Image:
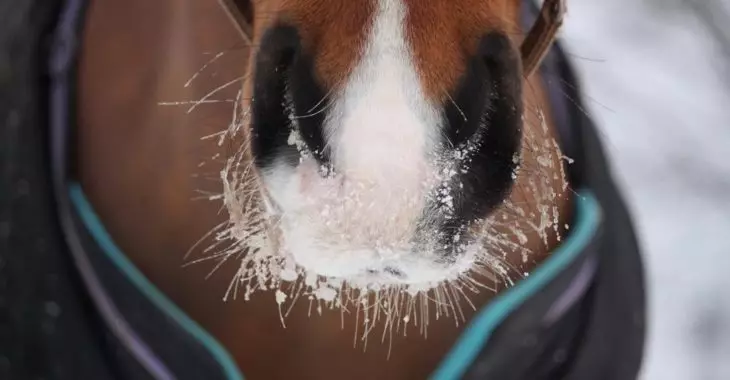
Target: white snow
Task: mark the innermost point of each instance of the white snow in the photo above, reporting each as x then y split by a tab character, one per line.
654	83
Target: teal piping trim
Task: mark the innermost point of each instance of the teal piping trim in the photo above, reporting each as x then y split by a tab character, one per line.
476	335
115	254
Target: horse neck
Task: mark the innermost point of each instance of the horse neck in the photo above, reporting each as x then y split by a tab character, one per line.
140	165
139	161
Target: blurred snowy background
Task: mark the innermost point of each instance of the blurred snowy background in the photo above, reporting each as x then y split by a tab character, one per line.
656	75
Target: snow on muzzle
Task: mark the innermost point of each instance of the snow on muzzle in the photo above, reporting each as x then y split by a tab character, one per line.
366	230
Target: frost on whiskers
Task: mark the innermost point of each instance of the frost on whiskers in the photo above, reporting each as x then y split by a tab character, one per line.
251	238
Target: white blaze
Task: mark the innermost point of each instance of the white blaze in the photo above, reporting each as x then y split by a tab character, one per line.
382	126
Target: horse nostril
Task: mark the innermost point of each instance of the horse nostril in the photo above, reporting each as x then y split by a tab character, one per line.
484	120
491	84
285	93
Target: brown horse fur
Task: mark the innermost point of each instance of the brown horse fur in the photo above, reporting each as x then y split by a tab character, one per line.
139	161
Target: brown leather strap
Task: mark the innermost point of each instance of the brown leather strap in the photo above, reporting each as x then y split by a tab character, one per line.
541	36
533	49
236	15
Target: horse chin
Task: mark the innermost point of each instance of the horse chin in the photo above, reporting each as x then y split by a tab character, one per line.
370	261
